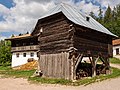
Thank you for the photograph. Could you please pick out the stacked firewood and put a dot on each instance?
(81, 73)
(86, 71)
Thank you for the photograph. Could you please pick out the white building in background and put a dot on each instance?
(116, 48)
(20, 58)
(24, 49)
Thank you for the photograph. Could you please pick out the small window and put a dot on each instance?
(32, 54)
(17, 55)
(37, 53)
(117, 51)
(24, 54)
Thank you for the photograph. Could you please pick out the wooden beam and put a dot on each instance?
(106, 62)
(94, 63)
(90, 60)
(78, 60)
(102, 60)
(96, 60)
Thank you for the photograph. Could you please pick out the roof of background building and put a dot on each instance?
(19, 37)
(116, 42)
(74, 15)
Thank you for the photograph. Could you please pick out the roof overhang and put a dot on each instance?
(21, 37)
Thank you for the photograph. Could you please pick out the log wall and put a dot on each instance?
(55, 65)
(55, 35)
(90, 40)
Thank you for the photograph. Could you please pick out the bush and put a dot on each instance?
(5, 52)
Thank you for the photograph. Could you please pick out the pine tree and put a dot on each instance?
(100, 15)
(114, 24)
(114, 14)
(108, 15)
(118, 12)
(111, 19)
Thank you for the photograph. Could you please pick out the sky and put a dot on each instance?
(20, 16)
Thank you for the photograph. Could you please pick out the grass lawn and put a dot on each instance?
(8, 72)
(85, 81)
(115, 60)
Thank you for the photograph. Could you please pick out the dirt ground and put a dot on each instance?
(115, 65)
(23, 84)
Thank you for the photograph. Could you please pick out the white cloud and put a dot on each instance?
(88, 7)
(24, 15)
(112, 3)
(4, 11)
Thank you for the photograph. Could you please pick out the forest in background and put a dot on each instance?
(110, 19)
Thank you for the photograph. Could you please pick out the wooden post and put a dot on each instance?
(38, 54)
(108, 63)
(94, 63)
(72, 58)
(93, 67)
(105, 61)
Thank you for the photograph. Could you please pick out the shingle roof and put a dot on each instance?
(77, 17)
(116, 42)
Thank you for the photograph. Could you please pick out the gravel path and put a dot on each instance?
(22, 84)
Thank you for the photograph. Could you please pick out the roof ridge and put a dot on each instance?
(78, 11)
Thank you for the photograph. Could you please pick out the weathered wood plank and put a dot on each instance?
(68, 66)
(55, 65)
(56, 69)
(65, 65)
